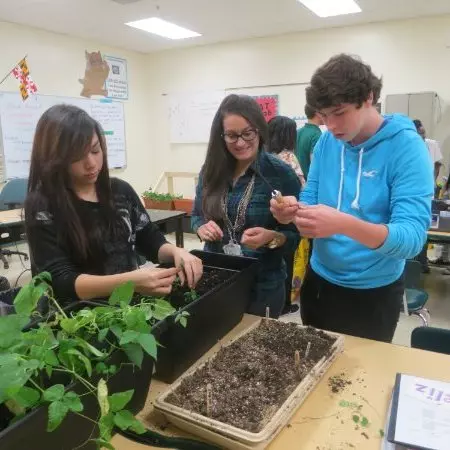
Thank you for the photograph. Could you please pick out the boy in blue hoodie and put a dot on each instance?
(367, 204)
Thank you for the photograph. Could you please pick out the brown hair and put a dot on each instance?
(342, 79)
(219, 165)
(63, 135)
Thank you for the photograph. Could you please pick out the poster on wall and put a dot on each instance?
(117, 82)
(269, 105)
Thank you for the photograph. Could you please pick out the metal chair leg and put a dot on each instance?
(424, 316)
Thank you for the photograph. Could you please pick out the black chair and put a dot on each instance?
(431, 339)
(12, 196)
(414, 297)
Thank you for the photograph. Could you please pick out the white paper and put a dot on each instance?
(423, 414)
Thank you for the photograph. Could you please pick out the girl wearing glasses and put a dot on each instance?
(231, 211)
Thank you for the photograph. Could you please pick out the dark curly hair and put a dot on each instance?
(342, 79)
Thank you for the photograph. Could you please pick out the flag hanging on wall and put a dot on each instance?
(26, 85)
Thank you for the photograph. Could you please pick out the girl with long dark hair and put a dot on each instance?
(85, 227)
(231, 212)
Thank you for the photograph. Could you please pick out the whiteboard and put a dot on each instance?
(191, 116)
(18, 121)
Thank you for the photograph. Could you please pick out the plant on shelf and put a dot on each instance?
(77, 345)
(155, 200)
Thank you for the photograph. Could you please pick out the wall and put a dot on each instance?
(56, 63)
(412, 56)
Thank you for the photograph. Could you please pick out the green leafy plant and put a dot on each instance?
(151, 195)
(190, 296)
(77, 345)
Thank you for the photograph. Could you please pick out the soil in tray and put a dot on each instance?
(181, 295)
(253, 377)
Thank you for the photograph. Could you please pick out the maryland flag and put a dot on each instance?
(27, 85)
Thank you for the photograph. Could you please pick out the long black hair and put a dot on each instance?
(64, 135)
(282, 134)
(220, 165)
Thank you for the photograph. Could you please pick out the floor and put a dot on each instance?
(436, 284)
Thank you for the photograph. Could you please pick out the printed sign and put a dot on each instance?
(269, 105)
(117, 82)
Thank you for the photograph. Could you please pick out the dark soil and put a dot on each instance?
(337, 383)
(253, 376)
(179, 297)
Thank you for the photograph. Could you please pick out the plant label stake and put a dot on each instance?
(267, 312)
(209, 399)
(210, 368)
(297, 362)
(308, 348)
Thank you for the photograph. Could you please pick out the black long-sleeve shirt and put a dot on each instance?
(119, 255)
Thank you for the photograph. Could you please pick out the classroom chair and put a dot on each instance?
(415, 298)
(12, 196)
(431, 339)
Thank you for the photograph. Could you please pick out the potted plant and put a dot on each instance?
(67, 379)
(215, 307)
(183, 204)
(154, 200)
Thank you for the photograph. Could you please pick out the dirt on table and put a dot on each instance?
(338, 383)
(253, 377)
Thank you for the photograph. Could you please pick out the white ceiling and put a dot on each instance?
(216, 20)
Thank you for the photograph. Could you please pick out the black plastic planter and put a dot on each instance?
(30, 432)
(212, 316)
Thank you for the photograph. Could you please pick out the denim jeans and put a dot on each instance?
(268, 294)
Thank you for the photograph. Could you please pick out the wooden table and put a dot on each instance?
(325, 420)
(438, 237)
(168, 222)
(12, 217)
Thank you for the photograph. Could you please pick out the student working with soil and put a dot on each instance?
(84, 227)
(231, 211)
(367, 204)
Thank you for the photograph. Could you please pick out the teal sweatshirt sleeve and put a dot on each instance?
(309, 194)
(411, 179)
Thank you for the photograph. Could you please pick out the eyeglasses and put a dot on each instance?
(247, 136)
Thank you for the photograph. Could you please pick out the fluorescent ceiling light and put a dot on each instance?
(163, 28)
(328, 8)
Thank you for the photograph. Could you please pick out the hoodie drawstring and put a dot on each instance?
(355, 202)
(341, 182)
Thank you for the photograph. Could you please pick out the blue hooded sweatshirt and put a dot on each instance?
(386, 180)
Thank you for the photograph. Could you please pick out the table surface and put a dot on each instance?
(159, 215)
(439, 233)
(11, 216)
(325, 420)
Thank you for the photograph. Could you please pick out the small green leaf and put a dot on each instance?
(95, 351)
(129, 336)
(102, 397)
(102, 444)
(117, 331)
(135, 353)
(69, 325)
(102, 334)
(44, 276)
(27, 397)
(162, 309)
(381, 432)
(122, 294)
(105, 425)
(113, 369)
(24, 299)
(51, 358)
(119, 400)
(365, 422)
(11, 329)
(148, 343)
(73, 402)
(355, 418)
(53, 393)
(183, 321)
(49, 371)
(56, 413)
(101, 368)
(85, 360)
(124, 419)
